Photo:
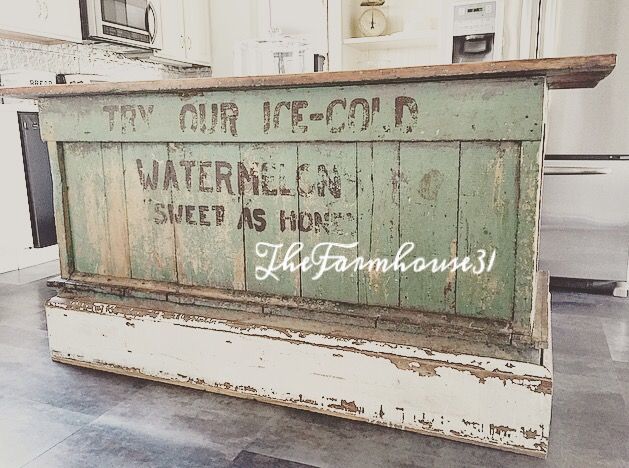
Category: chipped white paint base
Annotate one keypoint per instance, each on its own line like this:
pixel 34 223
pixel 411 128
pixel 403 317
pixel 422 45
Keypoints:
pixel 480 400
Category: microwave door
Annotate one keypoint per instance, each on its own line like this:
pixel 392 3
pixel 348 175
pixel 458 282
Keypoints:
pixel 133 22
pixel 128 13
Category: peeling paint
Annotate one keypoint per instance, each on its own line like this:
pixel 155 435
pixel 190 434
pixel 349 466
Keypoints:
pixel 501 430
pixel 430 184
pixel 420 368
pixel 469 363
pixel 349 406
pixel 412 377
pixel 529 433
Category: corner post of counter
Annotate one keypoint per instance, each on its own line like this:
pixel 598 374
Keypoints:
pixel 527 238
pixel 60 199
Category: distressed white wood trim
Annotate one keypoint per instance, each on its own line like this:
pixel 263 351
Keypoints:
pixel 504 404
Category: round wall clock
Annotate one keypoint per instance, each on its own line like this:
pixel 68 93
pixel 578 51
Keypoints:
pixel 372 22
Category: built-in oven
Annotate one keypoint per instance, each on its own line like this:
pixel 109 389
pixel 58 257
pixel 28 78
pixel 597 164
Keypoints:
pixel 131 22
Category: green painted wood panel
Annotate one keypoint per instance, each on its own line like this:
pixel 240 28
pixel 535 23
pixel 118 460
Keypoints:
pixel 206 208
pixel 87 207
pixel 503 109
pixel 378 220
pixel 116 206
pixel 451 166
pixel 328 214
pixel 527 236
pixel 270 213
pixel 428 217
pixel 151 235
pixel 488 220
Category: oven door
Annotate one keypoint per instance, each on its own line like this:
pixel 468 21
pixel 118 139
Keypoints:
pixel 132 22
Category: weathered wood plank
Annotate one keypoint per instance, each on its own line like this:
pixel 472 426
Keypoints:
pixel 270 213
pixel 116 206
pixel 529 191
pixel 327 206
pixel 428 218
pixel 206 208
pixel 378 172
pixel 60 200
pixel 87 207
pixel 470 335
pixel 560 72
pixel 151 235
pixel 488 221
pixel 397 112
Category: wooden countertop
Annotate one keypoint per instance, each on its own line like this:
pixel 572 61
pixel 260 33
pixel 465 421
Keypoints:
pixel 562 73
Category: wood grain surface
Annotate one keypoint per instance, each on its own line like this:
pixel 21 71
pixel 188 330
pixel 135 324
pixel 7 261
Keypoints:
pixel 561 73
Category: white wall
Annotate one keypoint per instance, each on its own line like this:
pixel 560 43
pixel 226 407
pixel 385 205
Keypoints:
pixel 238 20
pixel 592 121
pixel 231 21
pixel 304 18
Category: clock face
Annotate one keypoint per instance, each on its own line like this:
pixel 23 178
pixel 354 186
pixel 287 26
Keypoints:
pixel 372 22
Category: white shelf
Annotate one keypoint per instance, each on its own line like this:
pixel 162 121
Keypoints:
pixel 394 41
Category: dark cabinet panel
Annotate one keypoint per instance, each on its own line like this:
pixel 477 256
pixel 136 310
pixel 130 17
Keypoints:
pixel 38 180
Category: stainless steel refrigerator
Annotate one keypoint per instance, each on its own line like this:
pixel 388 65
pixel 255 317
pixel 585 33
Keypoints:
pixel 585 200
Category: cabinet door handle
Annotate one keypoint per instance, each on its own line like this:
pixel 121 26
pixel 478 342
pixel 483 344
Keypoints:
pixel 188 43
pixel 182 42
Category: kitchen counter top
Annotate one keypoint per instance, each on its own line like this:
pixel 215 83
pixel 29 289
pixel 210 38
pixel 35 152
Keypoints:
pixel 561 73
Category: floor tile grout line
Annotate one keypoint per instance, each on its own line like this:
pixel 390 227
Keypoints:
pixel 83 426
pixel 53 446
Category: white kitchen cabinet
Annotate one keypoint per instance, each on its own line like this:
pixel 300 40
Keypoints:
pixel 419 32
pixel 197 22
pixel 186 32
pixel 173 30
pixel 46 21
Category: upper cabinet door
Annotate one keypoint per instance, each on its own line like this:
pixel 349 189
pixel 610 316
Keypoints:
pixel 173 31
pixel 197 28
pixel 42 20
pixel 61 19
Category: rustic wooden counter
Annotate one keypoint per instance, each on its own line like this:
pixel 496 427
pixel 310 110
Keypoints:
pixel 166 192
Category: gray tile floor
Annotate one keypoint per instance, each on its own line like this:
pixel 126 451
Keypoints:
pixel 54 415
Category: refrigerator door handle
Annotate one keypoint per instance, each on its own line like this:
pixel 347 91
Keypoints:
pixel 575 170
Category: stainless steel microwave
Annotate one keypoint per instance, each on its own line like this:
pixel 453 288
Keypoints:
pixel 131 22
